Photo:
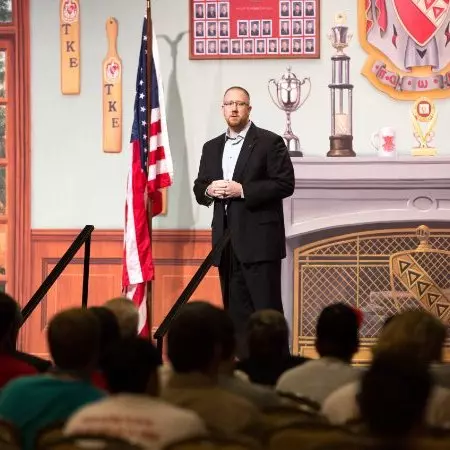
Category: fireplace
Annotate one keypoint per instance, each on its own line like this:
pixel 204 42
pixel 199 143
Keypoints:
pixel 344 221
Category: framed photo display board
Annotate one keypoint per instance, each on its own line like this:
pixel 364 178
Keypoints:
pixel 243 29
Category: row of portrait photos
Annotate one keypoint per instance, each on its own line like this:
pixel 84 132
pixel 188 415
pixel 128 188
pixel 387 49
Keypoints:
pixel 281 46
pixel 255 28
pixel 221 10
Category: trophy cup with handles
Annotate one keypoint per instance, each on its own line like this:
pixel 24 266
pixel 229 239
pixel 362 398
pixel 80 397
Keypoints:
pixel 289 97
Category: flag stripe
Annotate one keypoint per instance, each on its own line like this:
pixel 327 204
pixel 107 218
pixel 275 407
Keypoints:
pixel 151 169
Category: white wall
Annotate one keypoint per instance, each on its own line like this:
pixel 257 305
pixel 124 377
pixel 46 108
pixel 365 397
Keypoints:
pixel 75 183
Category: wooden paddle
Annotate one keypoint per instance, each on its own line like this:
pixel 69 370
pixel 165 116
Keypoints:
pixel 112 92
pixel 70 46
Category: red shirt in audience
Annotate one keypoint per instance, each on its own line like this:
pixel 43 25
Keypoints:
pixel 99 381
pixel 12 367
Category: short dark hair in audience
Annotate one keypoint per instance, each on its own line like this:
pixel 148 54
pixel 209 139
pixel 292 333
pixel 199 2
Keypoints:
pixel 414 330
pixel 387 320
pixel 226 334
pixel 130 365
pixel 109 327
pixel 267 335
pixel 10 320
pixel 337 332
pixel 394 393
pixel 74 339
pixel 194 340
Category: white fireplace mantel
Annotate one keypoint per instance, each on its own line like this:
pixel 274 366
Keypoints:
pixel 345 192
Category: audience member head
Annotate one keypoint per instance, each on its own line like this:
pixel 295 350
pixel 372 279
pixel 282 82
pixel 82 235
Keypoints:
pixel 74 340
pixel 10 321
pixel 109 328
pixel 394 393
pixel 194 340
pixel 130 365
pixel 387 320
pixel 267 335
pixel 416 331
pixel 126 314
pixel 227 338
pixel 337 332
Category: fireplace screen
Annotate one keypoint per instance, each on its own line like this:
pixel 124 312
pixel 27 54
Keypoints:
pixel 380 272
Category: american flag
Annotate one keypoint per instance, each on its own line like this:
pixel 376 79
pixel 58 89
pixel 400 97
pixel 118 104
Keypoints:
pixel 151 170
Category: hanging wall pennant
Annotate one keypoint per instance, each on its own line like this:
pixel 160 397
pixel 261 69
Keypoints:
pixel 70 46
pixel 112 92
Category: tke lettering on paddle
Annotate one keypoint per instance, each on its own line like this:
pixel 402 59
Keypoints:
pixel 112 92
pixel 70 46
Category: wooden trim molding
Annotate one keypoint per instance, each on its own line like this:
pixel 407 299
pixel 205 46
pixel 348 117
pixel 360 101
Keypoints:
pixel 177 255
pixel 21 221
pixel 117 235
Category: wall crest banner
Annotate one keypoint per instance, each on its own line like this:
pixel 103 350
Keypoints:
pixel 408 43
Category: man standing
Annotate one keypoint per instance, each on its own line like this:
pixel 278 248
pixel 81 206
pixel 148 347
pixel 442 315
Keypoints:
pixel 246 172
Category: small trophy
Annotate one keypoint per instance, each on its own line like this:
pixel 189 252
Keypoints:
pixel 424 112
pixel 289 98
pixel 341 139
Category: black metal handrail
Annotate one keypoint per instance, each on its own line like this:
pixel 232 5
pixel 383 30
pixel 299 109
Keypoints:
pixel 83 238
pixel 190 289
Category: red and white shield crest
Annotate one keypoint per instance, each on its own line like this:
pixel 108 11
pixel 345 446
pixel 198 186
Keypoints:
pixel 421 18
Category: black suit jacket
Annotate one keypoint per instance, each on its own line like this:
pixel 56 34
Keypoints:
pixel 256 221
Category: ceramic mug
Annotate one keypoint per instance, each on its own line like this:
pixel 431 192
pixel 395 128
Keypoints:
pixel 383 141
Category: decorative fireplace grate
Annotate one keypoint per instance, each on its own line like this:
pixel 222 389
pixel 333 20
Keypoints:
pixel 354 269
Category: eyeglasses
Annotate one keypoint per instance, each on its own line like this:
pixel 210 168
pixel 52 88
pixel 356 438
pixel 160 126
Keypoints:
pixel 238 104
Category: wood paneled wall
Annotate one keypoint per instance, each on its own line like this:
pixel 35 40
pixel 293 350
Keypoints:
pixel 177 255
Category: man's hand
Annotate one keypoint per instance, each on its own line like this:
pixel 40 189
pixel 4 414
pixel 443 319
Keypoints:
pixel 217 189
pixel 233 189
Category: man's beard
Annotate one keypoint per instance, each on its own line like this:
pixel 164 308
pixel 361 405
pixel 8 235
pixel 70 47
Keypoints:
pixel 238 122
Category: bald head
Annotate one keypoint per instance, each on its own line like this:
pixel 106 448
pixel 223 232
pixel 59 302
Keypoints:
pixel 126 314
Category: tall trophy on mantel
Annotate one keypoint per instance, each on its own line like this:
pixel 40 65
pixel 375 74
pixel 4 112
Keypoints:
pixel 289 98
pixel 341 139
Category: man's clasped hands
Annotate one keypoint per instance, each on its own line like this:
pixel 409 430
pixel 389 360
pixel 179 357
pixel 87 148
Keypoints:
pixel 224 189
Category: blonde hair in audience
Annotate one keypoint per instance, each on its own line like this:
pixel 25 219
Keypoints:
pixel 413 330
pixel 126 313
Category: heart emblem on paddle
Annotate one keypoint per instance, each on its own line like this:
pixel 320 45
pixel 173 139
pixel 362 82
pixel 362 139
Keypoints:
pixel 113 70
pixel 70 10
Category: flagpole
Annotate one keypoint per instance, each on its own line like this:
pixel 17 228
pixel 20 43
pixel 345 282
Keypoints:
pixel 149 111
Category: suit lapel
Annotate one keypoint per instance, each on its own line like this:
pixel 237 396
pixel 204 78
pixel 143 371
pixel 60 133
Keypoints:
pixel 246 150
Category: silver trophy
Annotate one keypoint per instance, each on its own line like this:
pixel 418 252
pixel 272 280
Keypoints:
pixel 339 35
pixel 289 98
